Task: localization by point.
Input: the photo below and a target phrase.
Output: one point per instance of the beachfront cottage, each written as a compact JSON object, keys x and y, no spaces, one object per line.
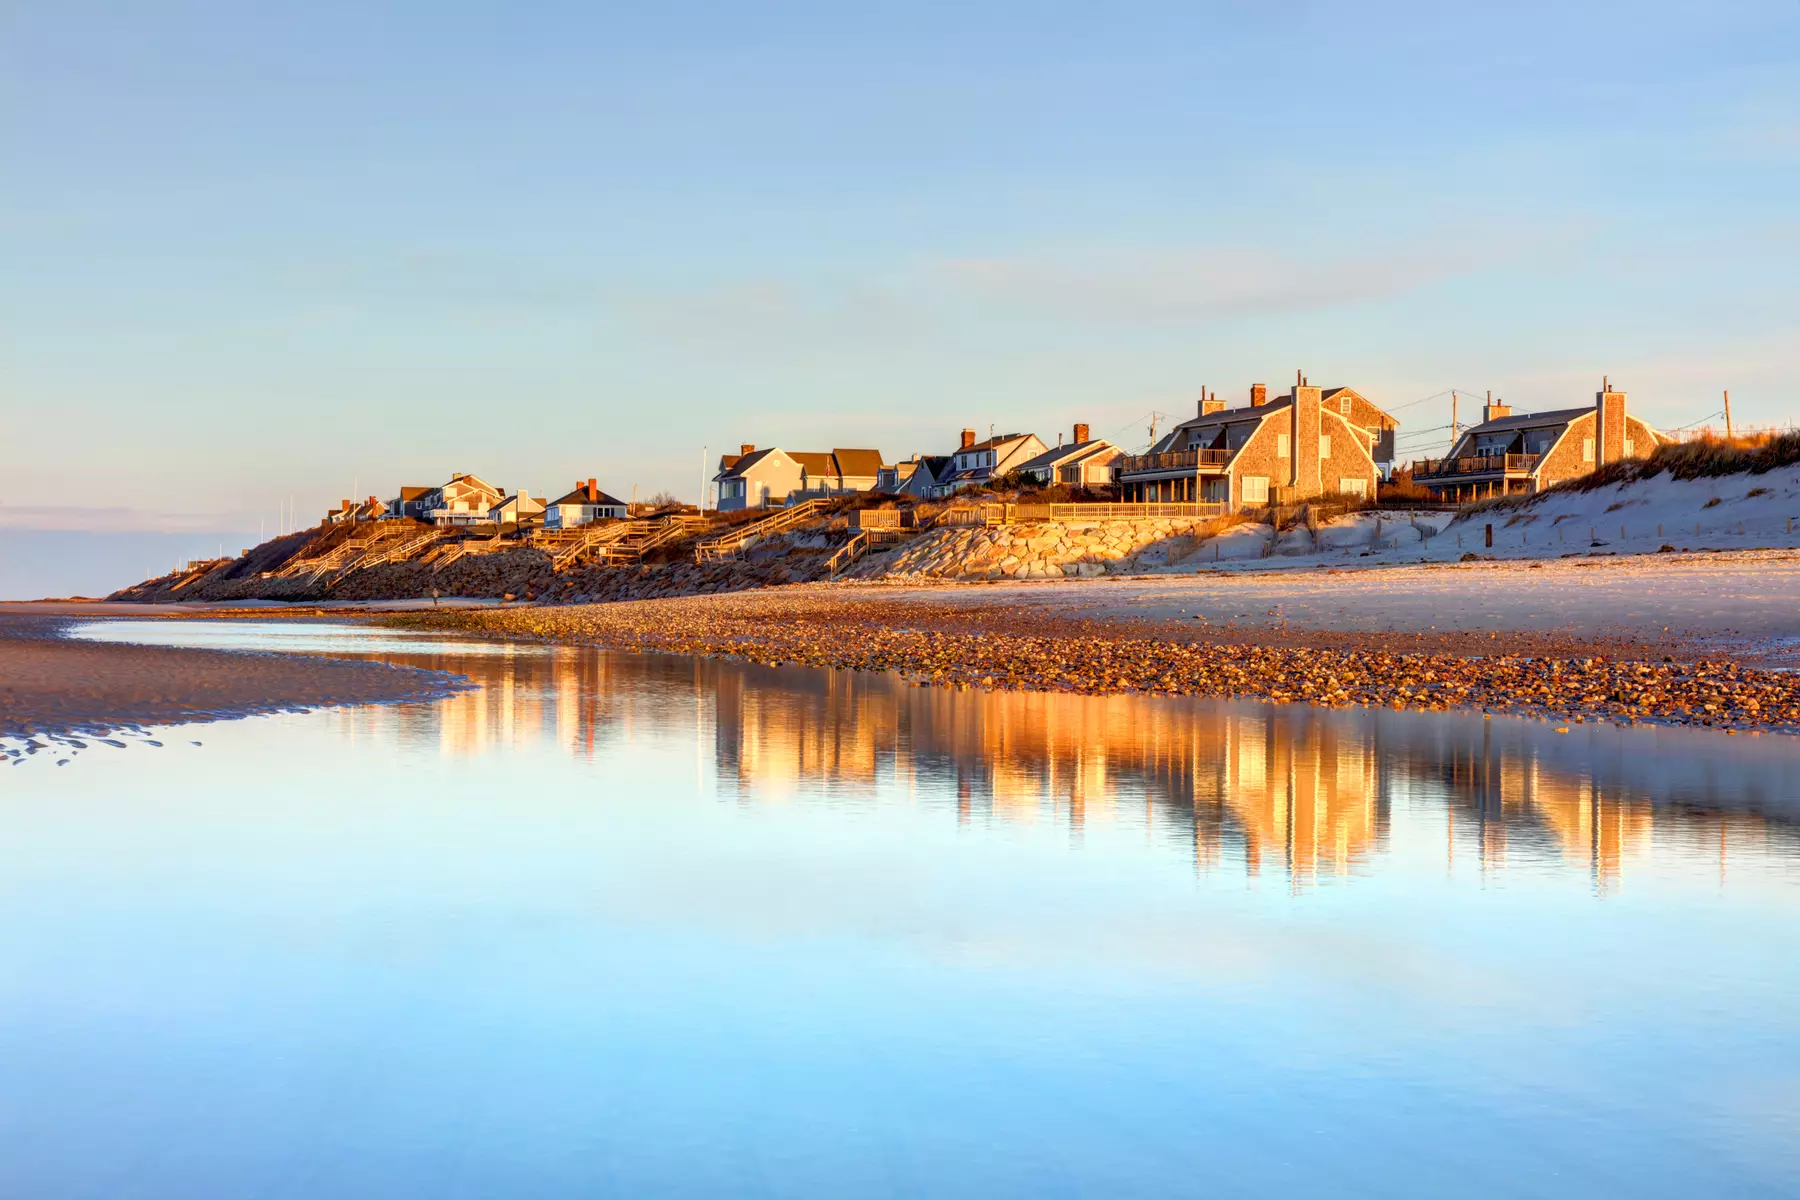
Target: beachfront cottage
{"x":587,"y":503}
{"x":915,"y":476}
{"x":464,"y":500}
{"x":363,"y":510}
{"x":976,"y":464}
{"x":1084,"y":462}
{"x":413,"y":502}
{"x":1311,"y":442}
{"x":518,"y":512}
{"x":1532,"y":451}
{"x":772,"y":476}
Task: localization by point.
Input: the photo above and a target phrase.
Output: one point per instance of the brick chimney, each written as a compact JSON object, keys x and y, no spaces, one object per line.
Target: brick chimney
{"x":1493,"y":412}
{"x":593,"y":490}
{"x":1210,"y":402}
{"x":968,"y":438}
{"x":1081,"y":434}
{"x":1259,"y":395}
{"x":344,"y":506}
{"x":1609,"y":424}
{"x":747,"y":448}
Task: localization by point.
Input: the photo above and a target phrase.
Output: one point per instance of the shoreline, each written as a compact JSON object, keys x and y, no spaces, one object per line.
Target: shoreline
{"x":1006,"y":643}
{"x":54,"y":686}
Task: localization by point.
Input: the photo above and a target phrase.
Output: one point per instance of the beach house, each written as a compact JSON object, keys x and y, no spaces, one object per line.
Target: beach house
{"x":464,"y":500}
{"x":772,"y":476}
{"x":1274,"y":450}
{"x":585,"y":504}
{"x":521,"y":511}
{"x":976,"y":464}
{"x":1507,"y":454}
{"x":1081,"y":462}
{"x":348,"y":513}
{"x":414,"y":502}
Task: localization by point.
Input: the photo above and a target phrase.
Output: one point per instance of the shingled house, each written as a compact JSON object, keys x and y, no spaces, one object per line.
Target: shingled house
{"x":975,"y":464}
{"x":1083,"y":462}
{"x":1526,"y":453}
{"x":1310,"y":442}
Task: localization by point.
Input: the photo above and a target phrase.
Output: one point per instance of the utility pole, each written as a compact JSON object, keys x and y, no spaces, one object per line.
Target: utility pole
{"x":1453,"y":420}
{"x":1728,"y":416}
{"x":701,"y":507}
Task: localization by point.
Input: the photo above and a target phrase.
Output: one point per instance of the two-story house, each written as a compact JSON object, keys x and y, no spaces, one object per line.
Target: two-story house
{"x":522,"y":511}
{"x":1532,"y":451}
{"x":772,"y":477}
{"x":464,"y":500}
{"x":975,"y":464}
{"x":1281,"y":449}
{"x":586,"y":504}
{"x":414,"y":502}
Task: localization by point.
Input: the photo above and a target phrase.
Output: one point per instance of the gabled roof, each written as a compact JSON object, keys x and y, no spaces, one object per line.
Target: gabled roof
{"x":744,"y":462}
{"x":992,"y":443}
{"x":582,"y":496}
{"x":414,"y":493}
{"x":857,"y":462}
{"x":1060,"y":455}
{"x":514,"y":499}
{"x":816,"y":462}
{"x":1561,"y":416}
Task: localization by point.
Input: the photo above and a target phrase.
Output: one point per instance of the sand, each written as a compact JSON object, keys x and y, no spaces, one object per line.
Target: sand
{"x":53,"y":685}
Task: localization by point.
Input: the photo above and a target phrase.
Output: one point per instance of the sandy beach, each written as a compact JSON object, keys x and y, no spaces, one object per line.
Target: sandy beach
{"x":50,"y":684}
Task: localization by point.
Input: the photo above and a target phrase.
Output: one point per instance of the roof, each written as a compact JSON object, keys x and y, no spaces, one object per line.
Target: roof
{"x":1561,"y":416}
{"x":514,"y":499}
{"x":816,"y":462}
{"x":580,"y":496}
{"x":999,"y":440}
{"x":857,"y":462}
{"x":743,"y":462}
{"x":1062,"y":454}
{"x":413,"y":493}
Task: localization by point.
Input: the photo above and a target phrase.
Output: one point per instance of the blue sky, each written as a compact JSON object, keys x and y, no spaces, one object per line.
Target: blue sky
{"x":254,"y":251}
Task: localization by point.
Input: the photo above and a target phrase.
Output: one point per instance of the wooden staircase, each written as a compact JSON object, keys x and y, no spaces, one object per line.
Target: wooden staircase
{"x":732,"y":542}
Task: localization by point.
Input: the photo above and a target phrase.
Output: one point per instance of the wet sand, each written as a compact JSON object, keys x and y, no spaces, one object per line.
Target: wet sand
{"x":50,"y":684}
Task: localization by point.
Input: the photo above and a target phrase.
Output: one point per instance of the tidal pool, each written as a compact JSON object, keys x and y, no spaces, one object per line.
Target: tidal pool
{"x":640,"y":926}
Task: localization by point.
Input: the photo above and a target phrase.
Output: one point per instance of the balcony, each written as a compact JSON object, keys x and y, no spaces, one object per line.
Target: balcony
{"x":1479,"y":464}
{"x":1173,"y":460}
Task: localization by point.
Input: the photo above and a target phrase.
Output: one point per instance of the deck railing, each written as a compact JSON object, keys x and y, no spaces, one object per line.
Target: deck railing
{"x":1173,"y":460}
{"x":1475,"y":464}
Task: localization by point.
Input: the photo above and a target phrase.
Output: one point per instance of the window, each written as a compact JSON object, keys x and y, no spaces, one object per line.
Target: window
{"x":1587,"y":449}
{"x":1281,"y":446}
{"x":1324,"y":445}
{"x":1344,"y":405}
{"x":1354,"y":486}
{"x":1256,"y":487}
{"x":1629,"y":448}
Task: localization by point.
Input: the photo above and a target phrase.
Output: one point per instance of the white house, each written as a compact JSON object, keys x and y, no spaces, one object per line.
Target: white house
{"x":975,"y":464}
{"x":585,"y":504}
{"x":519,"y":511}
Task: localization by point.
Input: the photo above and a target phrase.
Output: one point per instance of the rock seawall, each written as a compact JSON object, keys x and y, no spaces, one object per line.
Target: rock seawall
{"x":1042,"y":550}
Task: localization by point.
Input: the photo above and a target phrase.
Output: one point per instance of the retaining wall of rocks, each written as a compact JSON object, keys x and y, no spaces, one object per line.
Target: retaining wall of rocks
{"x":1042,"y":550}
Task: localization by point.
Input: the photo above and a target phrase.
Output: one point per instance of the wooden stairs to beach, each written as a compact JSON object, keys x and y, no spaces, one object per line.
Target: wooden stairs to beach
{"x":732,"y":542}
{"x":563,"y":553}
{"x":461,"y":550}
{"x":864,"y":542}
{"x":647,"y":536}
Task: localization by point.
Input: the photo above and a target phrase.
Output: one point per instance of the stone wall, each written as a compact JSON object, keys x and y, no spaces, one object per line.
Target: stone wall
{"x":1041,"y":550}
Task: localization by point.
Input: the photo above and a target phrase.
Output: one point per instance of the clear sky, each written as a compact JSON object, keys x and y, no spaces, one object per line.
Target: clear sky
{"x":250,"y":251}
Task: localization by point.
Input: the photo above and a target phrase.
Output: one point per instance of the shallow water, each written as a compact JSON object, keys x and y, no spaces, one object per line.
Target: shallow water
{"x":622,"y":925}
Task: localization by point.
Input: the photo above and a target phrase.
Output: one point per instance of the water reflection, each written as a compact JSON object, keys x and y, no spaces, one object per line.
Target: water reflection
{"x":1293,"y":793}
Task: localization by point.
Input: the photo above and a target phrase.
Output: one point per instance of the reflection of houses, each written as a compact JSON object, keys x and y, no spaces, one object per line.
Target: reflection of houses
{"x":1297,"y":794}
